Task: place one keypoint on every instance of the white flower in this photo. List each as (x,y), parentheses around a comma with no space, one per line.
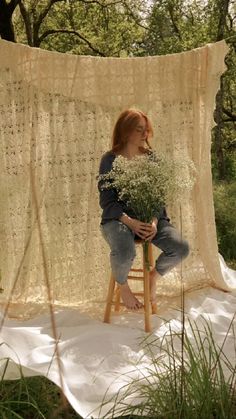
(148,182)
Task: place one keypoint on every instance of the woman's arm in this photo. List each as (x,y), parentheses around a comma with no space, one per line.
(108,198)
(127,220)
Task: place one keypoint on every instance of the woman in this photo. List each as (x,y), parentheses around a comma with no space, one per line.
(119,225)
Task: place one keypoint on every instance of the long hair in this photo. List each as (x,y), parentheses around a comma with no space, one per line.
(125,125)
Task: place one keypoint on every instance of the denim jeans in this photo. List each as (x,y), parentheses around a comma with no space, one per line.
(121,242)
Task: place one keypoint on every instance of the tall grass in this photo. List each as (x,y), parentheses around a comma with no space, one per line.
(199,385)
(16,400)
(31,398)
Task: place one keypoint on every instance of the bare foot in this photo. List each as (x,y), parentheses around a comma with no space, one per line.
(152,280)
(128,298)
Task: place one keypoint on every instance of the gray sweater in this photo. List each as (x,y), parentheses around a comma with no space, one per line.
(112,207)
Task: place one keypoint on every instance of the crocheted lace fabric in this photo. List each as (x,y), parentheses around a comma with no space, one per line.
(57,112)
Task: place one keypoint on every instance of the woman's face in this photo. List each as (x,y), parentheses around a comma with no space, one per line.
(139,134)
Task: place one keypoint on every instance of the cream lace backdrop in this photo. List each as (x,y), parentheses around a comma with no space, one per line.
(57,115)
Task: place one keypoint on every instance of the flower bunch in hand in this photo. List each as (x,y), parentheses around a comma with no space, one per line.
(148,182)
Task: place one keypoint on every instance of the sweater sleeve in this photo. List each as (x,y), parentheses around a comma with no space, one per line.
(162,214)
(108,198)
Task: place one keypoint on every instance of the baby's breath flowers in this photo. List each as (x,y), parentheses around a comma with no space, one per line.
(148,182)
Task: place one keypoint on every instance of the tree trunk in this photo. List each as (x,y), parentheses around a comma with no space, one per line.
(6,26)
(219,134)
(223,7)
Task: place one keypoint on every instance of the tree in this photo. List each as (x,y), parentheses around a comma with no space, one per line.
(175,26)
(94,27)
(223,12)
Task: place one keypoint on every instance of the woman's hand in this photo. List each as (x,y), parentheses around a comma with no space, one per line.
(145,231)
(140,228)
(153,230)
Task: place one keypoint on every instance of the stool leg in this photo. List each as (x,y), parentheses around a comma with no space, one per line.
(154,308)
(117,300)
(107,314)
(150,256)
(146,295)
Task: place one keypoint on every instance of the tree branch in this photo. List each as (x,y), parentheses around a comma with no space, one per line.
(176,29)
(224,9)
(43,14)
(12,5)
(99,3)
(26,18)
(72,32)
(135,18)
(231,21)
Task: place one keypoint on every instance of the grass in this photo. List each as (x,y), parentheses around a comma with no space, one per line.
(199,385)
(32,398)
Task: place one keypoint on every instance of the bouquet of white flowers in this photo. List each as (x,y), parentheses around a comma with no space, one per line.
(147,182)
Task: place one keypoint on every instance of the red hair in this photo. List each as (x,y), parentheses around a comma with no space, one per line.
(125,125)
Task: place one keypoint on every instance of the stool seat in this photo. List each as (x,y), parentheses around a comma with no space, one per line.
(113,296)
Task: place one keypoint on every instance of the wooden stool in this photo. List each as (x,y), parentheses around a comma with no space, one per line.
(113,296)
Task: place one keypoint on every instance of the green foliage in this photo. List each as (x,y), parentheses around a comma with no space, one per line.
(179,25)
(229,162)
(107,28)
(175,27)
(225,215)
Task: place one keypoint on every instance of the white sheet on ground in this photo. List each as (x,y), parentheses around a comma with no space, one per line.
(96,356)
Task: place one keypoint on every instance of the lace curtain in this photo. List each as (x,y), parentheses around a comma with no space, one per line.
(57,112)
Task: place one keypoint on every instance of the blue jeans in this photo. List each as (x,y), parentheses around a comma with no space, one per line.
(121,241)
